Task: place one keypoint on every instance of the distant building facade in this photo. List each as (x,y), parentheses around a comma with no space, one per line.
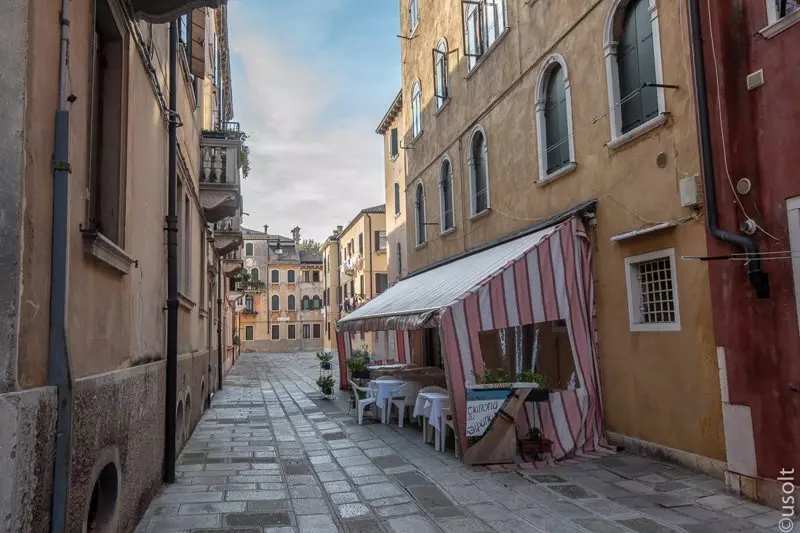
(281,310)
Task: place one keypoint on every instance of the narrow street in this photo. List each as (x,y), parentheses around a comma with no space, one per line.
(271,455)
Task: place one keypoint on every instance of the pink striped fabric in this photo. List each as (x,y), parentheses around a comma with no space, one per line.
(552,282)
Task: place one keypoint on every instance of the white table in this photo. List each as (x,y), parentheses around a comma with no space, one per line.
(429,405)
(382,388)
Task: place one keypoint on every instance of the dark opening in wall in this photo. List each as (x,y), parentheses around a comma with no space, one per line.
(101,515)
(179,427)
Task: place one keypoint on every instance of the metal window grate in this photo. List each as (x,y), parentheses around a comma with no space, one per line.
(656,294)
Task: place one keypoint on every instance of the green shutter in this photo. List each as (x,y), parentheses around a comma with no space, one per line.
(647,60)
(636,63)
(556,130)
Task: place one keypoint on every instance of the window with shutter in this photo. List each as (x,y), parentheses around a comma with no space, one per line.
(446,196)
(636,64)
(479,171)
(197,51)
(396,198)
(440,71)
(276,303)
(291,303)
(416,110)
(276,333)
(394,143)
(292,335)
(419,206)
(555,113)
(484,23)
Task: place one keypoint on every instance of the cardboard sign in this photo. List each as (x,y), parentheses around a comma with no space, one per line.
(480,414)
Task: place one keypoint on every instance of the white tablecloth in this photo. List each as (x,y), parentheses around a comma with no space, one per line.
(382,388)
(430,405)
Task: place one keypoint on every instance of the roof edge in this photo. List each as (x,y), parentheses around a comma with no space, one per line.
(391,114)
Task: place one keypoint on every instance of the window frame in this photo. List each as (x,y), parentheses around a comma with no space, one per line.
(306,331)
(383,276)
(249,246)
(249,303)
(397,199)
(394,143)
(612,27)
(291,276)
(257,277)
(275,299)
(549,66)
(413,16)
(483,41)
(291,303)
(416,110)
(634,296)
(420,229)
(441,71)
(473,173)
(249,331)
(273,276)
(381,237)
(443,227)
(275,334)
(291,332)
(775,23)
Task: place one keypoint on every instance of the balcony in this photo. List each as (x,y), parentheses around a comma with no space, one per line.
(228,238)
(161,11)
(232,264)
(220,174)
(351,265)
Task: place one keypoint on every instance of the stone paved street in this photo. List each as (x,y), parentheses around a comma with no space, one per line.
(272,456)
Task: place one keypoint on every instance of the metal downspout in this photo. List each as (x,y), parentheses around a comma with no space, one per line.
(59,366)
(757,277)
(172,262)
(369,253)
(221,275)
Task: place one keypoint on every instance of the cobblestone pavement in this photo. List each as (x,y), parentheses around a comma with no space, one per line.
(272,456)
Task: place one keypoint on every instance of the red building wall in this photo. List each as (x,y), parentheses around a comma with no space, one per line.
(756,135)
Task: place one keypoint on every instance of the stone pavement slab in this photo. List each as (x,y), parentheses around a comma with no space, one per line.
(272,456)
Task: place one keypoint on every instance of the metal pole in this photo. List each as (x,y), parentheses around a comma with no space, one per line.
(172,262)
(219,323)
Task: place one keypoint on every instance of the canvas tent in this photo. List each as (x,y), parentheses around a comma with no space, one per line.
(542,276)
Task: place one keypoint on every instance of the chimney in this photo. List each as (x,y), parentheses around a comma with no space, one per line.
(296,234)
(339,229)
(266,229)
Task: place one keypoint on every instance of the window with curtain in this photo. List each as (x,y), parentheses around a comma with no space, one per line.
(416,110)
(440,71)
(555,121)
(290,276)
(637,66)
(447,220)
(419,214)
(254,274)
(276,302)
(276,276)
(396,198)
(479,174)
(291,303)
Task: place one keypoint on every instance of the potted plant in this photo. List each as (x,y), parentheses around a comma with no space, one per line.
(540,393)
(325,360)
(535,445)
(492,376)
(325,384)
(357,363)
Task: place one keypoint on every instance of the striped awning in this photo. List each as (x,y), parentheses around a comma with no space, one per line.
(416,302)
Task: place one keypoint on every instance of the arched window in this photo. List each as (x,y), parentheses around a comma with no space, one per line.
(248,249)
(276,276)
(479,173)
(484,23)
(440,71)
(254,274)
(446,219)
(396,198)
(554,119)
(248,303)
(633,66)
(290,303)
(316,303)
(416,110)
(305,303)
(413,15)
(290,276)
(419,215)
(276,302)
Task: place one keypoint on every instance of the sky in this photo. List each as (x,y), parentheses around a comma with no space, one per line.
(312,80)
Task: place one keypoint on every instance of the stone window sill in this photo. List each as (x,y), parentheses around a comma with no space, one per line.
(447,232)
(635,133)
(780,25)
(105,251)
(563,171)
(482,214)
(186,302)
(421,245)
(486,54)
(442,107)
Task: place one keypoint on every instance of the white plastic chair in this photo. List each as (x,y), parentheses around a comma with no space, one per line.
(397,398)
(449,423)
(362,403)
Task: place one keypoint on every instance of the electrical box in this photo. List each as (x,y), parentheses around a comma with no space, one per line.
(690,194)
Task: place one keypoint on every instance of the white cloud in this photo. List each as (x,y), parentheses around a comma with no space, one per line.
(308,169)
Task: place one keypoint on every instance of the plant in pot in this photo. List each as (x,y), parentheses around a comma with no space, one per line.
(325,384)
(535,445)
(492,376)
(325,360)
(357,363)
(540,393)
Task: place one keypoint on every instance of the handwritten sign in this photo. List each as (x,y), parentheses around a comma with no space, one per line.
(480,414)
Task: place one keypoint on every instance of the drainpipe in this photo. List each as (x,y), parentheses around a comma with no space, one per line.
(757,277)
(220,279)
(369,253)
(172,261)
(59,366)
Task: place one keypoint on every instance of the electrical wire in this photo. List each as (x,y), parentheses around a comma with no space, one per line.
(722,126)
